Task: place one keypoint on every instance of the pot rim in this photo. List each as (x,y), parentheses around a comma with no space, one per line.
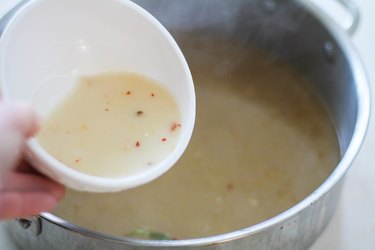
(363,116)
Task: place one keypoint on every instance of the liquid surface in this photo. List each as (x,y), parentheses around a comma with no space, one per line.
(262,142)
(113,125)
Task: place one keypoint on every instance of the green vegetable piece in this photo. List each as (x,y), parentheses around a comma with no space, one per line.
(144,233)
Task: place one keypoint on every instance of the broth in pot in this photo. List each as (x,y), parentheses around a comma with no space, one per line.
(262,143)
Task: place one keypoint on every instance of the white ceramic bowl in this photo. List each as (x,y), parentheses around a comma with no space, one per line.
(48,44)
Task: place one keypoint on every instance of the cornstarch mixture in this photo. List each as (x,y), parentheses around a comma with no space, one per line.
(113,125)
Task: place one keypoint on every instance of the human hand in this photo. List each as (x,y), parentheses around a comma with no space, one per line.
(23,191)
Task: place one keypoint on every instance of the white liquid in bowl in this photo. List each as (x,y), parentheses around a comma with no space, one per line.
(113,125)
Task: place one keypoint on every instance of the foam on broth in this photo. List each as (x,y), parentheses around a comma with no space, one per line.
(262,143)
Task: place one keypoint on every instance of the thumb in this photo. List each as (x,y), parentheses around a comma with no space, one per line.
(17,123)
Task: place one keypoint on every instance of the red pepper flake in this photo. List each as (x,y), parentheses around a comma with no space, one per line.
(152,95)
(127,92)
(77,160)
(164,139)
(138,144)
(174,126)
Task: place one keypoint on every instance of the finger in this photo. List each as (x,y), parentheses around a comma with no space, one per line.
(25,167)
(17,123)
(25,204)
(10,145)
(19,117)
(23,182)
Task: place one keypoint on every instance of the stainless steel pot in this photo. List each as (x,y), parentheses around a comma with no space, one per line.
(291,30)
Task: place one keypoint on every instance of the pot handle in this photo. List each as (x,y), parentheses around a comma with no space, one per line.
(351,23)
(33,225)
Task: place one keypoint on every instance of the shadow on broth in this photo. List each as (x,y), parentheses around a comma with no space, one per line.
(262,143)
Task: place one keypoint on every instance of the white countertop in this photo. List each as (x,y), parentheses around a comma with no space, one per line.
(353,225)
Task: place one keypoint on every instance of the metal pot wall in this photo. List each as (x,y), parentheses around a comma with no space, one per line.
(291,30)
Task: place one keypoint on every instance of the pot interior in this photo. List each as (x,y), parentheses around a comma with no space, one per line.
(266,129)
(262,143)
